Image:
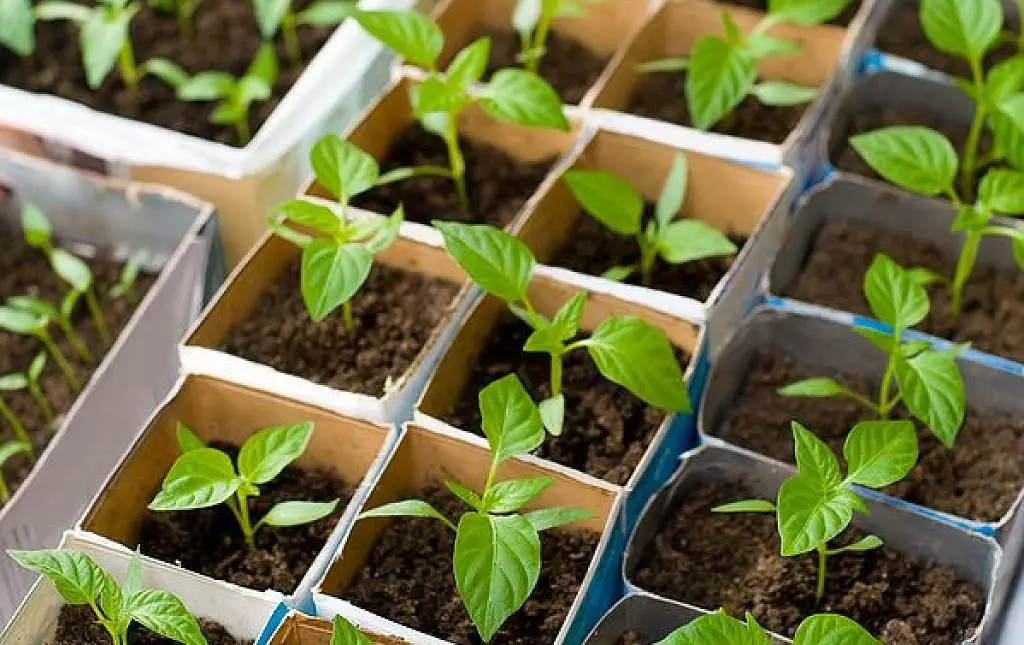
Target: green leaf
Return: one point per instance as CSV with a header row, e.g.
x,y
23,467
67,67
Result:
x,y
718,79
880,453
498,262
894,297
511,495
34,306
342,168
409,34
344,633
783,94
167,71
326,14
1008,131
912,157
263,68
637,355
664,65
198,479
298,513
964,29
670,202
746,506
569,316
187,440
11,448
718,628
552,414
406,508
688,240
265,454
77,577
550,518
331,274
814,459
71,269
1005,79
164,614
933,391
763,45
17,26
610,199
1002,191
35,369
20,322
387,232
470,497
813,387
521,97
866,543
248,90
13,382
510,420
619,273
269,14
1018,251
806,13
923,276
970,218
809,515
103,35
497,564
434,95
314,216
832,629
133,576
469,65
35,226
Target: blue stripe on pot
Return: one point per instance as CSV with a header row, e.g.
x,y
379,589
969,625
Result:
x,y
273,623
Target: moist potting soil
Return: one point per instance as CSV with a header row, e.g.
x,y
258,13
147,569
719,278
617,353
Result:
x,y
77,625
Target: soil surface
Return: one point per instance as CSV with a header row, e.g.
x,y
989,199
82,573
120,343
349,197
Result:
x,y
633,638
993,306
498,184
569,66
26,271
843,19
661,96
901,34
607,429
56,66
77,626
593,249
395,313
408,578
979,480
733,561
209,541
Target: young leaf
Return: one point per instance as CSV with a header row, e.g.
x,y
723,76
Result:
x,y
407,508
13,382
11,448
687,240
832,629
269,14
813,387
510,419
933,391
718,79
521,97
610,199
77,577
497,564
866,543
342,168
783,94
880,453
894,297
102,37
670,202
198,479
409,34
549,518
71,269
162,613
314,216
718,628
552,414
912,157
35,226
298,513
814,459
470,497
569,317
1002,191
809,516
746,506
187,440
964,29
806,13
35,369
345,633
526,15
20,322
469,65
265,454
512,494
331,274
498,262
763,45
17,26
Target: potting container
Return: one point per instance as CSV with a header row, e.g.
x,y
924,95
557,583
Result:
x,y
300,629
216,411
418,249
344,75
245,614
90,215
974,557
672,31
424,457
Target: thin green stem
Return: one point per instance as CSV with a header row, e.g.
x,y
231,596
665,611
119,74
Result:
x,y
185,27
556,374
290,33
964,268
648,256
242,130
401,174
126,65
861,399
75,340
19,429
456,160
884,390
974,137
241,511
540,38
58,357
41,401
491,474
97,316
822,572
350,325
5,491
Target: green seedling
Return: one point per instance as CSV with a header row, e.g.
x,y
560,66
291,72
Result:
x,y
627,350
125,287
36,227
720,628
532,20
512,95
497,546
345,633
619,207
80,581
275,16
925,162
817,504
234,96
722,71
183,10
104,34
927,381
204,477
336,264
62,316
15,383
17,29
23,323
32,376
8,450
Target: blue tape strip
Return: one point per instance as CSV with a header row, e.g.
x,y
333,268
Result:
x,y
273,623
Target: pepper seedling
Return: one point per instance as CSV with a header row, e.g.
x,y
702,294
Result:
x,y
627,350
62,316
925,162
497,547
8,450
927,380
184,11
345,633
721,71
17,29
336,264
273,16
15,383
23,323
104,34
817,504
29,380
720,628
125,287
512,95
80,581
619,207
234,95
204,477
532,20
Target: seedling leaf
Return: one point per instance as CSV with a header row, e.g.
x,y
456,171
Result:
x,y
719,77
912,157
13,382
806,13
314,216
187,440
410,34
894,297
552,413
331,274
964,29
521,97
298,513
814,459
510,419
866,543
470,497
670,202
832,629
718,628
35,226
17,26
746,506
406,508
342,167
512,494
198,479
269,14
809,515
345,633
469,65
688,240
265,454
880,453
610,199
783,94
164,614
550,518
71,269
498,262
813,387
102,36
77,577
933,391
1002,191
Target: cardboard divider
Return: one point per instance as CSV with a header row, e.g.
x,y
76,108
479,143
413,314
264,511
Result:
x,y
425,457
218,411
300,629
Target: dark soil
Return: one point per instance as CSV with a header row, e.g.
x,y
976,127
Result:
x,y
395,313
633,638
498,184
607,429
408,578
56,66
24,270
993,306
593,249
662,96
77,626
843,19
209,541
901,34
979,480
733,561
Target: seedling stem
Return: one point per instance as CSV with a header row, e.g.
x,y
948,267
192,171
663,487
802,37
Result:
x,y
291,38
974,136
457,161
126,65
97,316
19,429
